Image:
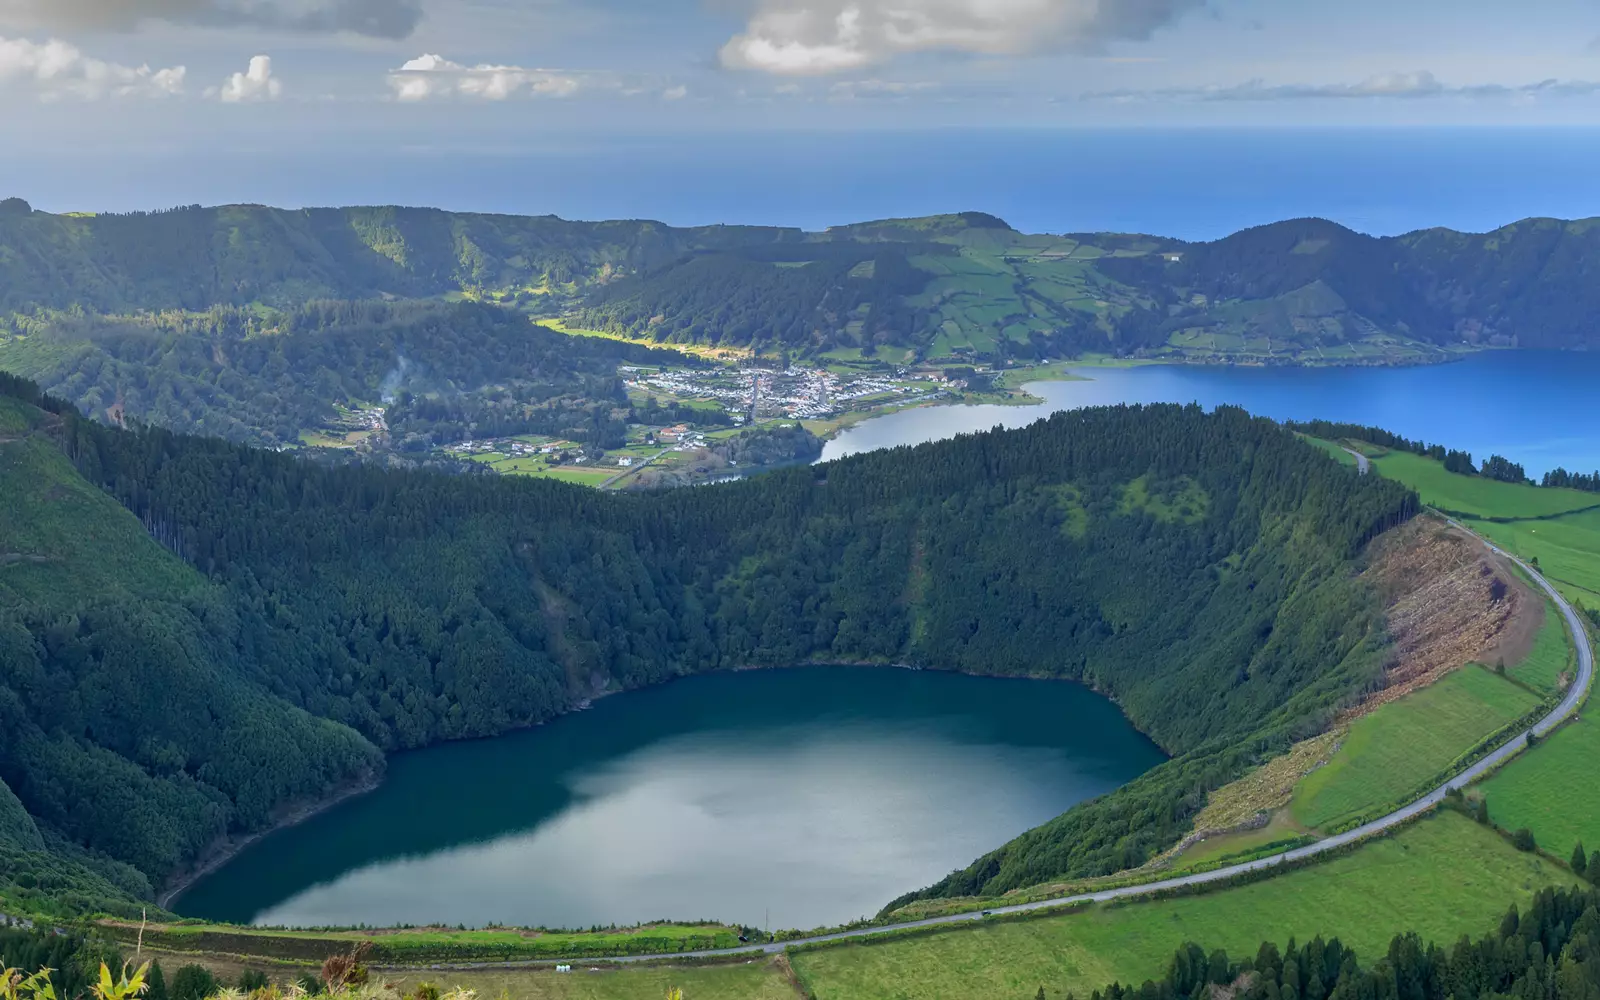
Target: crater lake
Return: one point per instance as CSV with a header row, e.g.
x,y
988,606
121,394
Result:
x,y
780,798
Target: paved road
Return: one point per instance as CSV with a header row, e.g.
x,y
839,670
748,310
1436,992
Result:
x,y
1363,463
1569,705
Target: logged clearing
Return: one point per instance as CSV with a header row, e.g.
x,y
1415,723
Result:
x,y
1442,877
1452,602
1247,802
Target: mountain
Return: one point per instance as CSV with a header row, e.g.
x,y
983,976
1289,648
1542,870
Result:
x,y
957,286
196,635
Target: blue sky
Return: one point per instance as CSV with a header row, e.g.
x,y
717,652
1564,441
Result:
x,y
562,105
165,65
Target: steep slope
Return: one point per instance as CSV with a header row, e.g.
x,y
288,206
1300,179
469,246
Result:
x,y
194,258
125,726
1194,566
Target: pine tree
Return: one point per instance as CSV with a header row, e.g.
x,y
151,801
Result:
x,y
156,984
1039,995
1580,861
1510,922
1483,811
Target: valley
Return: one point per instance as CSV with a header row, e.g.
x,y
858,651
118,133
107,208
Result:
x,y
329,507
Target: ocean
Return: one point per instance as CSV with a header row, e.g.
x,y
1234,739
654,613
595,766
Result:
x,y
1196,184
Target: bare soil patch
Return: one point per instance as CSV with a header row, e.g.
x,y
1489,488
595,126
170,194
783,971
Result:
x,y
1451,603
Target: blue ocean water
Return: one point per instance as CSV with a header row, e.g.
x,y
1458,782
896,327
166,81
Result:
x,y
1189,183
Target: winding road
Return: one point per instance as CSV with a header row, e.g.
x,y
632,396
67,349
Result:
x,y
1576,693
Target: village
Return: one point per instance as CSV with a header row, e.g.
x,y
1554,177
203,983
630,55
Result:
x,y
734,401
710,408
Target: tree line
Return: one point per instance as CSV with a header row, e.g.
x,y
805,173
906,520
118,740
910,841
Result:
x,y
1549,951
1496,467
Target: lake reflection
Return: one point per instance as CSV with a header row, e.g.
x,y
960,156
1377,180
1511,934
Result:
x,y
816,794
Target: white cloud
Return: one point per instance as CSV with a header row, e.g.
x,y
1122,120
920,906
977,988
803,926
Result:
x,y
431,76
677,93
851,90
255,84
55,69
1394,86
377,18
799,37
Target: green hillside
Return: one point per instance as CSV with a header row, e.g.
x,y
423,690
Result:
x,y
957,286
313,614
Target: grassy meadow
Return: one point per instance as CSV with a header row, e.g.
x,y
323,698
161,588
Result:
x,y
1443,877
1559,528
1551,656
1405,744
1475,496
1552,789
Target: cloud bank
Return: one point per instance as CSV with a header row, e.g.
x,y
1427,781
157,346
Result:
x,y
428,77
801,37
55,70
376,18
1396,86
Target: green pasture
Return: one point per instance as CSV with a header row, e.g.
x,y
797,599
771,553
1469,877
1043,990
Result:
x,y
1552,790
1567,547
1550,657
1442,877
1474,495
1337,453
1559,528
1404,745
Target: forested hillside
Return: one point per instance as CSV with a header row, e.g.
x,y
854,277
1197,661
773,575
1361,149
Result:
x,y
448,371
1302,291
197,632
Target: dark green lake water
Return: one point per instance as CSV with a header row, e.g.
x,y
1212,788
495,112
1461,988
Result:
x,y
817,794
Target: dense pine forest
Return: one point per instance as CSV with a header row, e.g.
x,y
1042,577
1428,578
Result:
x,y
196,633
445,371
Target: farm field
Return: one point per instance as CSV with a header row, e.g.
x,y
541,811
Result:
x,y
1334,451
1550,658
1443,877
1403,745
1559,528
1552,789
1475,496
1567,547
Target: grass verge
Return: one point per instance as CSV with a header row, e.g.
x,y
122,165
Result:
x,y
1443,877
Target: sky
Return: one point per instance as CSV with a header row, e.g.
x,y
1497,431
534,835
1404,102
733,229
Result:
x,y
108,79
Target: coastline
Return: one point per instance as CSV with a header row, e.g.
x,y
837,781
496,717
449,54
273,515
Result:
x,y
225,848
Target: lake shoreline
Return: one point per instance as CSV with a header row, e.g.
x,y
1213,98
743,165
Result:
x,y
225,848
226,853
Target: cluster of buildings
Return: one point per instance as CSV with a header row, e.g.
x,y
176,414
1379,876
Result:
x,y
508,446
754,394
